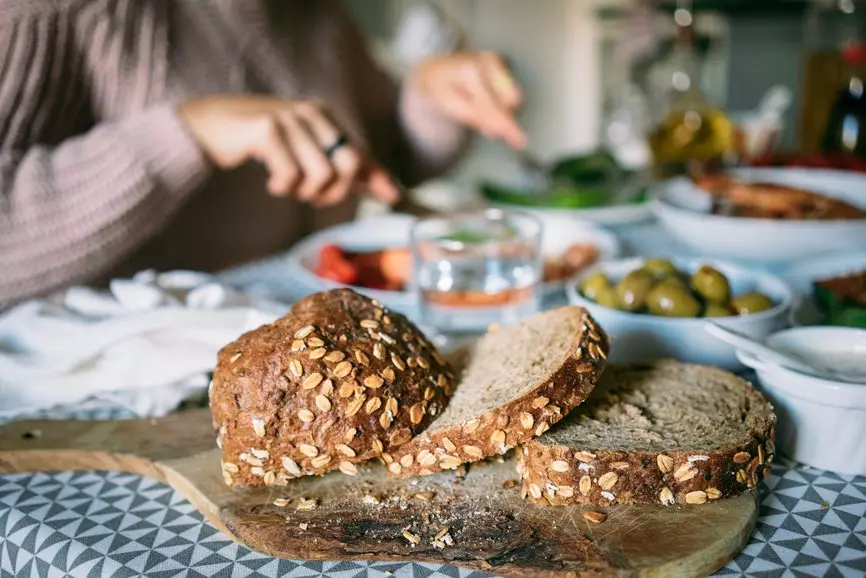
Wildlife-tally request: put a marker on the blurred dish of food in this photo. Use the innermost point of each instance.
(384, 269)
(766, 215)
(842, 299)
(390, 269)
(591, 187)
(658, 287)
(737, 198)
(373, 256)
(830, 290)
(656, 307)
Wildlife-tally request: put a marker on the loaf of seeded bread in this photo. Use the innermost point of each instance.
(661, 433)
(517, 383)
(337, 381)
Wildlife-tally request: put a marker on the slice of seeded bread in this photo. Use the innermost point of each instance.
(517, 383)
(660, 433)
(336, 382)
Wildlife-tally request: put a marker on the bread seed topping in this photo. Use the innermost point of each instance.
(304, 332)
(559, 466)
(665, 463)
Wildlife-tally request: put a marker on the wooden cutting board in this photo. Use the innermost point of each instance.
(364, 517)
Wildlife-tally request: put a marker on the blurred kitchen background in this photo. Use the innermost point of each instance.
(607, 73)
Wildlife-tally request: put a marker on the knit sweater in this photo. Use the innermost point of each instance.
(100, 177)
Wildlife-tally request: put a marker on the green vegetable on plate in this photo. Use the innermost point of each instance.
(842, 300)
(581, 182)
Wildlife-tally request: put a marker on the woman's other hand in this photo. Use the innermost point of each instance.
(295, 140)
(476, 89)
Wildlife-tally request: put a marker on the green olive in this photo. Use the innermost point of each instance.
(717, 310)
(671, 299)
(675, 281)
(595, 284)
(660, 268)
(752, 302)
(711, 285)
(607, 297)
(633, 289)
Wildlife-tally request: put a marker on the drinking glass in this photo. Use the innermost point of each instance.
(472, 270)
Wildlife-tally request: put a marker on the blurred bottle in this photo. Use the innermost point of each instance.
(846, 127)
(831, 26)
(694, 134)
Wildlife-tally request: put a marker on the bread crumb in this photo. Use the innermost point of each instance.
(443, 539)
(303, 526)
(508, 484)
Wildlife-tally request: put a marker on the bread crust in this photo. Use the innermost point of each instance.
(556, 474)
(337, 381)
(515, 422)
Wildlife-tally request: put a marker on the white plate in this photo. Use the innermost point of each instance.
(611, 216)
(393, 231)
(802, 274)
(683, 210)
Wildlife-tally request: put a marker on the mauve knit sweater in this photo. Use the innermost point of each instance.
(98, 175)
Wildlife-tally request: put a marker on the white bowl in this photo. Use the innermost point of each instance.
(639, 337)
(393, 231)
(683, 210)
(822, 423)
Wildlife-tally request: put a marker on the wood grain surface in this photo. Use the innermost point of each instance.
(372, 517)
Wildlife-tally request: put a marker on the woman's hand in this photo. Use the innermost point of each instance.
(476, 89)
(291, 138)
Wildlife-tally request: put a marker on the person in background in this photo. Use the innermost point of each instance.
(199, 134)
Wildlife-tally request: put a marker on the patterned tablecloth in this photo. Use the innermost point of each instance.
(93, 524)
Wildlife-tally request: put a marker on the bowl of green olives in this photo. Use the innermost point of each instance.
(657, 308)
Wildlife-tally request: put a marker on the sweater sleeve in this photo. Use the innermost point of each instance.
(75, 201)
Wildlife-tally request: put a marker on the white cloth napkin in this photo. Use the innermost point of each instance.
(146, 344)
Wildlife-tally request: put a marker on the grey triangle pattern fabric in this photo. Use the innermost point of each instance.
(94, 524)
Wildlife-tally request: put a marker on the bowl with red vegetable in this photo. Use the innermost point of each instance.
(373, 256)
